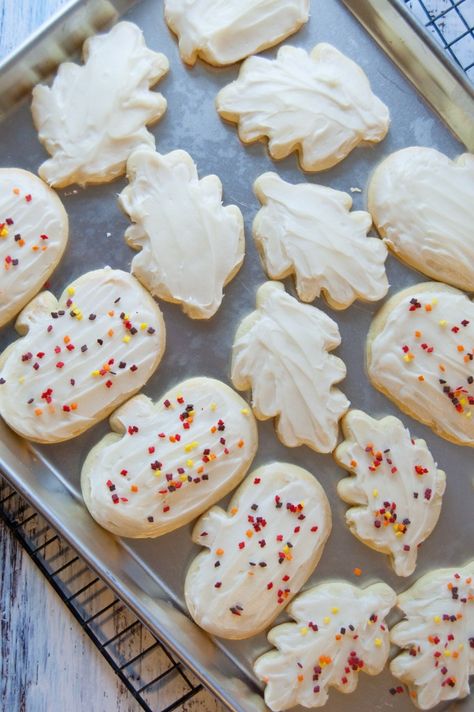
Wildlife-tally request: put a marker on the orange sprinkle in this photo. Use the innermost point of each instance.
(200, 470)
(16, 191)
(460, 347)
(111, 313)
(442, 367)
(38, 411)
(357, 571)
(213, 429)
(421, 378)
(353, 463)
(73, 406)
(234, 511)
(338, 636)
(35, 248)
(249, 533)
(67, 339)
(459, 616)
(44, 248)
(21, 242)
(413, 694)
(300, 678)
(418, 334)
(428, 307)
(134, 488)
(172, 439)
(240, 443)
(469, 580)
(219, 552)
(110, 332)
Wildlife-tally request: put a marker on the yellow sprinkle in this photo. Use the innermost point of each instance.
(335, 610)
(126, 339)
(183, 478)
(21, 379)
(408, 358)
(143, 326)
(378, 642)
(461, 646)
(71, 291)
(286, 549)
(469, 414)
(447, 653)
(190, 463)
(95, 373)
(437, 619)
(157, 473)
(4, 232)
(375, 493)
(191, 446)
(443, 322)
(304, 631)
(326, 620)
(434, 301)
(213, 406)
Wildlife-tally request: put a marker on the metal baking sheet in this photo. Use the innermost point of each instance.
(149, 575)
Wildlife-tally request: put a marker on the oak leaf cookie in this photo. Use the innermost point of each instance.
(438, 634)
(280, 351)
(420, 353)
(94, 115)
(33, 236)
(260, 552)
(79, 356)
(339, 631)
(308, 230)
(223, 32)
(191, 245)
(320, 104)
(396, 487)
(422, 203)
(167, 462)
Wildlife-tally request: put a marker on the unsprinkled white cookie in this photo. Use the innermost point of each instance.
(280, 351)
(260, 552)
(167, 462)
(33, 236)
(339, 631)
(422, 203)
(438, 634)
(320, 104)
(308, 230)
(191, 245)
(94, 115)
(420, 353)
(79, 356)
(397, 489)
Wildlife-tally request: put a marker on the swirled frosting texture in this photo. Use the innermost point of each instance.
(308, 230)
(167, 462)
(225, 31)
(79, 357)
(319, 103)
(33, 236)
(260, 552)
(421, 355)
(423, 205)
(94, 115)
(339, 630)
(191, 245)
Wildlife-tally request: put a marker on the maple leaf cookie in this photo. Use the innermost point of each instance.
(280, 351)
(225, 31)
(396, 487)
(339, 631)
(94, 115)
(438, 634)
(420, 353)
(422, 203)
(259, 553)
(191, 245)
(308, 230)
(79, 356)
(320, 104)
(33, 236)
(167, 462)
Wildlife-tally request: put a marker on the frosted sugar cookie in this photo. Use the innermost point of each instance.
(320, 104)
(396, 487)
(225, 31)
(420, 353)
(80, 356)
(33, 236)
(191, 245)
(308, 230)
(280, 351)
(259, 553)
(422, 203)
(94, 115)
(339, 631)
(167, 462)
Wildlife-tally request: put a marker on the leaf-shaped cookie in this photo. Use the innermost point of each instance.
(79, 356)
(224, 31)
(438, 632)
(319, 103)
(308, 230)
(167, 462)
(33, 236)
(397, 488)
(94, 115)
(260, 552)
(422, 203)
(339, 631)
(281, 352)
(191, 246)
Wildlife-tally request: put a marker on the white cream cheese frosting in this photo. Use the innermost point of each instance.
(319, 103)
(80, 356)
(94, 115)
(438, 634)
(33, 237)
(260, 552)
(339, 631)
(191, 245)
(308, 230)
(167, 462)
(420, 353)
(280, 351)
(225, 31)
(396, 487)
(422, 203)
